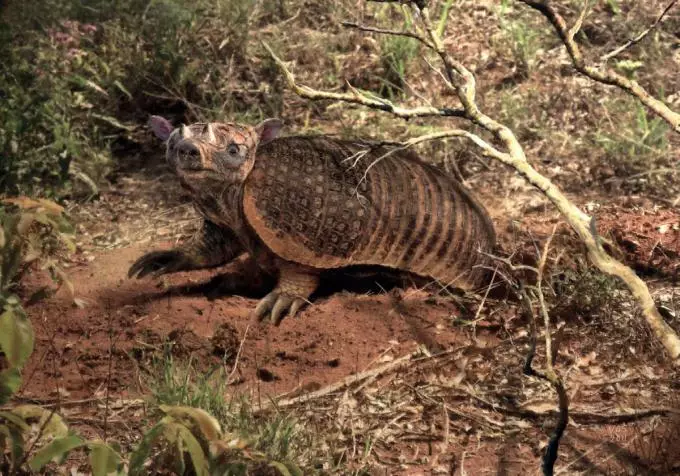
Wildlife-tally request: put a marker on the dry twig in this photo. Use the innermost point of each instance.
(550, 375)
(641, 36)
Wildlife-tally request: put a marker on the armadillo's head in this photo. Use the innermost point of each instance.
(202, 153)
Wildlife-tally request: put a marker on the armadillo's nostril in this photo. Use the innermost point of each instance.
(188, 149)
(187, 156)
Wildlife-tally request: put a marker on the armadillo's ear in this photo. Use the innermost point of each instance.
(161, 127)
(268, 129)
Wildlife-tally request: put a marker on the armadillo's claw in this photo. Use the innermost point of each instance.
(265, 305)
(276, 305)
(280, 308)
(295, 307)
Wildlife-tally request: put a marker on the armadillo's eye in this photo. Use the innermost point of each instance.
(233, 150)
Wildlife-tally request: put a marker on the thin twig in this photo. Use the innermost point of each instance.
(640, 37)
(371, 29)
(238, 355)
(347, 382)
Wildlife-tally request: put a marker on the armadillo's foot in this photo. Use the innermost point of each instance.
(291, 293)
(276, 305)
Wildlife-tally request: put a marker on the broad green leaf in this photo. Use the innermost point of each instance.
(55, 427)
(14, 419)
(103, 459)
(143, 451)
(281, 468)
(16, 441)
(16, 336)
(10, 381)
(206, 423)
(56, 451)
(198, 457)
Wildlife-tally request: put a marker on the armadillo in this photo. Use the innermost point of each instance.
(300, 205)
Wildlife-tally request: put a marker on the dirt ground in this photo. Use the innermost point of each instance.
(93, 359)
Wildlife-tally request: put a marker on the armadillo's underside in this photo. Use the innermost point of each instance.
(328, 204)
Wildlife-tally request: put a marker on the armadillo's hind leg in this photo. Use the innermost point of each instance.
(296, 284)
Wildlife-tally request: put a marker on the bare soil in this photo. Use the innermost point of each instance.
(92, 361)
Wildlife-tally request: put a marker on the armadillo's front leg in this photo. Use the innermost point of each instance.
(211, 246)
(296, 283)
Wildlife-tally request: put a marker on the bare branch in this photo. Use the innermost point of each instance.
(579, 22)
(639, 37)
(604, 75)
(371, 29)
(357, 97)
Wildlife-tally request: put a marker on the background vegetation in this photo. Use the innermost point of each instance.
(79, 80)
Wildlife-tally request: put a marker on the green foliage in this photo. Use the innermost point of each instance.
(396, 54)
(190, 434)
(585, 294)
(16, 333)
(252, 441)
(31, 232)
(613, 6)
(635, 143)
(89, 72)
(34, 232)
(523, 38)
(183, 385)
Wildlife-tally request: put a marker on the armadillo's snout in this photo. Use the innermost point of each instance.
(186, 156)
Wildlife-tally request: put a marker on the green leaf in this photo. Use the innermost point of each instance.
(281, 468)
(10, 381)
(206, 423)
(113, 122)
(56, 451)
(55, 427)
(4, 436)
(143, 451)
(15, 420)
(103, 459)
(194, 448)
(16, 336)
(120, 86)
(16, 440)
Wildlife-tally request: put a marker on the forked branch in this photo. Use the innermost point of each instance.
(605, 74)
(462, 81)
